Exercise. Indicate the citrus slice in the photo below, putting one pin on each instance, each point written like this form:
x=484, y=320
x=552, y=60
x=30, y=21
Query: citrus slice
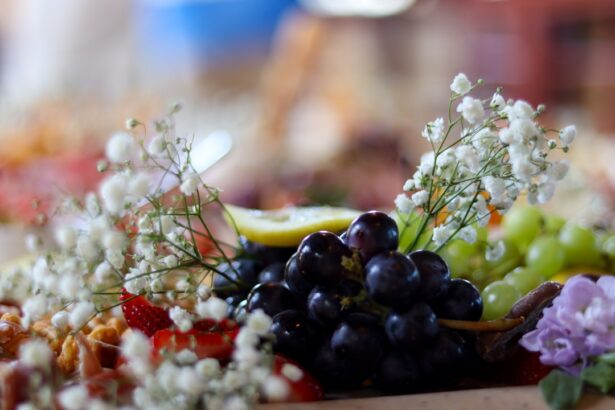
x=288, y=226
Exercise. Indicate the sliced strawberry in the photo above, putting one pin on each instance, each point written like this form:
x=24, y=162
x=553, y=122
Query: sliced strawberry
x=142, y=315
x=526, y=368
x=307, y=388
x=214, y=344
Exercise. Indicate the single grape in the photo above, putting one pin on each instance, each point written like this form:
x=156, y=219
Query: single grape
x=240, y=313
x=524, y=279
x=434, y=273
x=232, y=302
x=238, y=277
x=295, y=336
x=522, y=225
x=372, y=233
x=546, y=256
x=391, y=279
x=272, y=273
x=397, y=370
x=443, y=356
x=338, y=372
x=462, y=302
x=272, y=298
x=295, y=281
x=327, y=306
x=458, y=255
x=609, y=246
x=266, y=254
x=358, y=337
x=321, y=256
x=498, y=298
x=579, y=244
x=412, y=328
x=553, y=223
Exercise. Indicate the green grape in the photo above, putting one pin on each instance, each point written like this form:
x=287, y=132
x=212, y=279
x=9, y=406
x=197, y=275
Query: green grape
x=553, y=223
x=609, y=246
x=524, y=279
x=545, y=256
x=579, y=244
x=482, y=233
x=458, y=255
x=510, y=259
x=522, y=225
x=407, y=234
x=498, y=298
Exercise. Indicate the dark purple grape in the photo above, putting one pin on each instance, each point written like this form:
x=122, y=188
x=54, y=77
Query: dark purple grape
x=462, y=302
x=320, y=258
x=232, y=302
x=295, y=281
x=413, y=328
x=240, y=313
x=272, y=273
x=397, y=370
x=295, y=336
x=444, y=355
x=336, y=372
x=359, y=338
x=327, y=306
x=434, y=272
x=266, y=254
x=372, y=233
x=272, y=298
x=391, y=279
x=244, y=272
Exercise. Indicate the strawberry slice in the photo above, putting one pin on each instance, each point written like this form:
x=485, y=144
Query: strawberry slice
x=307, y=388
x=214, y=344
x=140, y=314
x=524, y=368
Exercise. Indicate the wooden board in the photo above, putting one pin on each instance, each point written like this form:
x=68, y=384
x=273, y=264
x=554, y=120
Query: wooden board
x=526, y=398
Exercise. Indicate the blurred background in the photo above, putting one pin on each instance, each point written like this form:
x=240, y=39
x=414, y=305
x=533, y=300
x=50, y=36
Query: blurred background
x=324, y=99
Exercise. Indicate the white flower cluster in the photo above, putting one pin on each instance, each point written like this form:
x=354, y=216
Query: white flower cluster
x=182, y=380
x=127, y=235
x=482, y=161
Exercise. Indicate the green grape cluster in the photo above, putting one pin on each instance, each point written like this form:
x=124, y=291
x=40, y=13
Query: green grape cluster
x=538, y=247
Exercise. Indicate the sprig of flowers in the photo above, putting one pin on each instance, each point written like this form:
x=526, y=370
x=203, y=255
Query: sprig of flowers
x=577, y=334
x=134, y=235
x=484, y=156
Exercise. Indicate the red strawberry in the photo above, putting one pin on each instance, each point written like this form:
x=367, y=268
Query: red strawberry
x=526, y=368
x=142, y=315
x=214, y=344
x=307, y=388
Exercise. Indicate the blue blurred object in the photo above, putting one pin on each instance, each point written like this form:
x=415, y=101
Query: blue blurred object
x=208, y=32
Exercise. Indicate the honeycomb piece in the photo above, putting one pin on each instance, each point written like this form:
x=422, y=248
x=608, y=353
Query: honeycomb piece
x=68, y=360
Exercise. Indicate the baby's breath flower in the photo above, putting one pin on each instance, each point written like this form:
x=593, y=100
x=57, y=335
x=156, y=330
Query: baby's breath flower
x=567, y=135
x=120, y=147
x=420, y=198
x=190, y=183
x=434, y=131
x=471, y=109
x=181, y=318
x=66, y=237
x=276, y=388
x=461, y=85
x=292, y=372
x=80, y=314
x=259, y=322
x=497, y=102
x=60, y=320
x=35, y=353
x=403, y=203
x=74, y=398
x=495, y=252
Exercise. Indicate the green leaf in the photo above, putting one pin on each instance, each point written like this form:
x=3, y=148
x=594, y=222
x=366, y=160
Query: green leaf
x=560, y=390
x=601, y=376
x=608, y=358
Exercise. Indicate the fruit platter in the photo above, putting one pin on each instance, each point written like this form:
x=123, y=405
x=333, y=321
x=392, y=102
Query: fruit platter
x=154, y=293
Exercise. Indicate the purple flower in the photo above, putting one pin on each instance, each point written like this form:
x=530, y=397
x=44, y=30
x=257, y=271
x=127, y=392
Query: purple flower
x=578, y=325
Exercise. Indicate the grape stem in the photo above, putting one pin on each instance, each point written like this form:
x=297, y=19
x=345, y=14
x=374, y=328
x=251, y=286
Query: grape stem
x=497, y=325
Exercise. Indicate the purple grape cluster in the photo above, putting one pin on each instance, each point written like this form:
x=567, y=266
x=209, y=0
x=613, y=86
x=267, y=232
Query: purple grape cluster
x=352, y=309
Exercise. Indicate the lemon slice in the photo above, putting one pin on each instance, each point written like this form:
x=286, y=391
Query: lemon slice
x=288, y=226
